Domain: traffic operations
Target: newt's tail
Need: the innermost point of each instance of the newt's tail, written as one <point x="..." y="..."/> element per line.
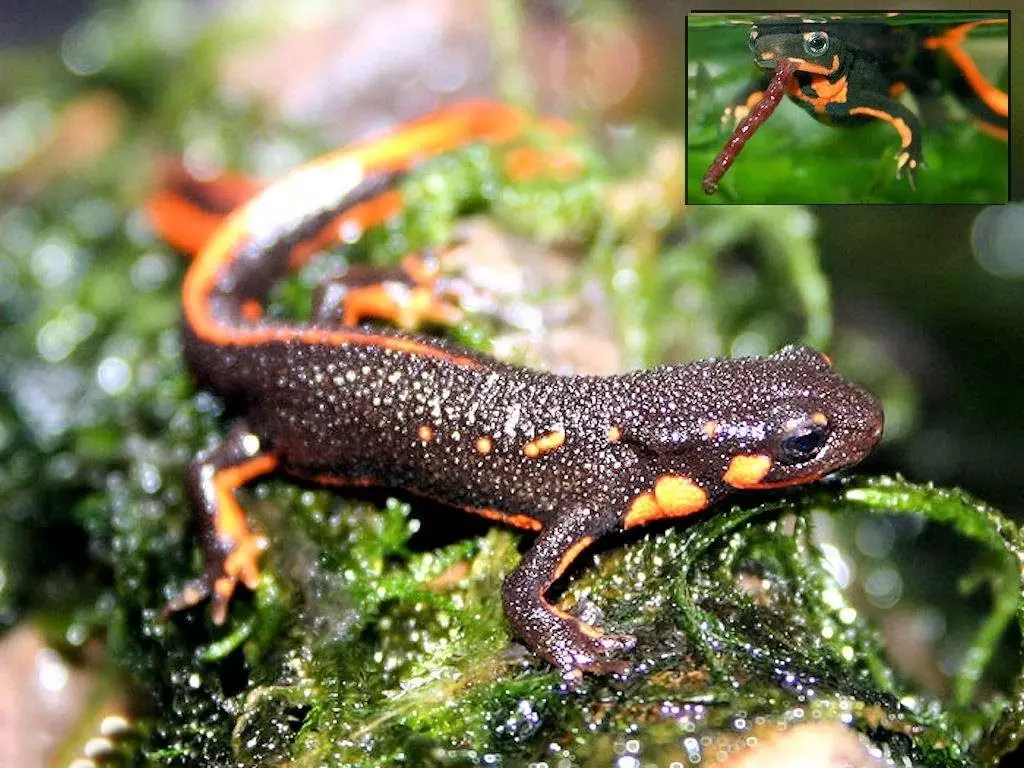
<point x="982" y="99"/>
<point x="185" y="210"/>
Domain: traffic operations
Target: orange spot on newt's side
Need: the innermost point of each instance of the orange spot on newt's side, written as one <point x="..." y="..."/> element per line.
<point x="544" y="444"/>
<point x="826" y="93"/>
<point x="677" y="495"/>
<point x="710" y="429"/>
<point x="484" y="444"/>
<point x="747" y="471"/>
<point x="425" y="433"/>
<point x="614" y="434"/>
<point x="673" y="496"/>
<point x="348" y="226"/>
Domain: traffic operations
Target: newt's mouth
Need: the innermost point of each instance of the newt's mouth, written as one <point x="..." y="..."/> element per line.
<point x="767" y="60"/>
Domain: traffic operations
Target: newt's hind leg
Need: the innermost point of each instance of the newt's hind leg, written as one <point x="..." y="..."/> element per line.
<point x="231" y="549"/>
<point x="561" y="638"/>
<point x="410" y="296"/>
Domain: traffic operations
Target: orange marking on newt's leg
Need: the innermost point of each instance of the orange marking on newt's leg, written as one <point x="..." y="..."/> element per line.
<point x="906" y="135"/>
<point x="642" y="509"/>
<point x="567" y="559"/>
<point x="570" y="555"/>
<point x="368" y="301"/>
<point x="245" y="547"/>
<point x="421" y="270"/>
<point x="587" y="629"/>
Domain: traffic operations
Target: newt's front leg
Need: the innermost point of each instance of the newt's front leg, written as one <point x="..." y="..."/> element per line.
<point x="744" y="101"/>
<point x="906" y="123"/>
<point x="566" y="641"/>
<point x="231" y="549"/>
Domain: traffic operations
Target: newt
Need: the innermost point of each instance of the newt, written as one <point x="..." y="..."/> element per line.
<point x="850" y="72"/>
<point x="569" y="458"/>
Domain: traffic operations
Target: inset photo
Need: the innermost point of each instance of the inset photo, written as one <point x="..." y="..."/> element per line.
<point x="847" y="107"/>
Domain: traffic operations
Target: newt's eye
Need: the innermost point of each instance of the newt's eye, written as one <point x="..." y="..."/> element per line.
<point x="802" y="441"/>
<point x="815" y="43"/>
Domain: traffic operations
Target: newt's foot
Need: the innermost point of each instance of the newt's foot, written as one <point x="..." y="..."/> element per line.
<point x="409" y="297"/>
<point x="734" y="113"/>
<point x="911" y="163"/>
<point x="576" y="647"/>
<point x="240" y="563"/>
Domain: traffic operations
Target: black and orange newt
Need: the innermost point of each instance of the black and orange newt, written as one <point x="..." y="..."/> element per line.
<point x="850" y="72"/>
<point x="570" y="458"/>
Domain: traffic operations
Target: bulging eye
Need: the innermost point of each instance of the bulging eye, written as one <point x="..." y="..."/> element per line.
<point x="815" y="43"/>
<point x="802" y="441"/>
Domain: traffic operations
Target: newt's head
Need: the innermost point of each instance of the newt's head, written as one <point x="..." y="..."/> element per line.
<point x="813" y="48"/>
<point x="759" y="422"/>
<point x="799" y="420"/>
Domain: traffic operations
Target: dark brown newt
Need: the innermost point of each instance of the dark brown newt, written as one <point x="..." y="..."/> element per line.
<point x="569" y="458"/>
